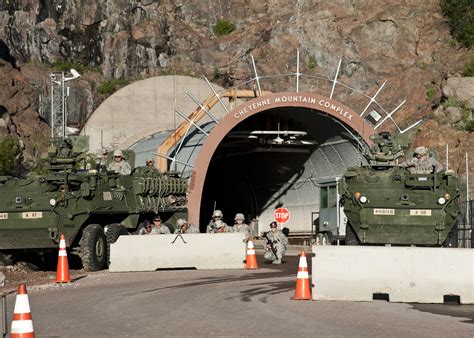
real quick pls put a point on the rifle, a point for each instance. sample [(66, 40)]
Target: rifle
[(270, 243)]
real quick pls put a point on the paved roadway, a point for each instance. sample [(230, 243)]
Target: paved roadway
[(224, 303)]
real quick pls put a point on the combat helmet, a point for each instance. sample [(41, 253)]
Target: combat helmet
[(118, 152), (181, 222), (421, 150), (217, 213), (239, 217)]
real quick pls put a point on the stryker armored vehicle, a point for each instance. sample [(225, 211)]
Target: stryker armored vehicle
[(387, 204), (91, 208)]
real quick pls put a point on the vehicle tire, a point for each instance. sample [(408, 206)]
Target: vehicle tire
[(351, 237), (93, 248), (6, 259), (452, 239), (114, 231)]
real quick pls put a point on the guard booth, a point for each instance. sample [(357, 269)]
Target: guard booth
[(330, 225)]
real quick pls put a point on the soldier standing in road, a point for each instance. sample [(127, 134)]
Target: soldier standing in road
[(185, 228), (119, 165), (422, 163), (158, 227), (240, 226), (276, 244), (217, 225), (146, 230)]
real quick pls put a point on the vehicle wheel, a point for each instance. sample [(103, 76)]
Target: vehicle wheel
[(5, 259), (452, 239), (114, 231), (93, 248), (351, 237)]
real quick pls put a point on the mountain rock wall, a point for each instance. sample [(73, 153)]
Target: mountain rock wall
[(404, 42)]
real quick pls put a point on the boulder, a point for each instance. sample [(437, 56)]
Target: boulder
[(460, 89), (454, 114)]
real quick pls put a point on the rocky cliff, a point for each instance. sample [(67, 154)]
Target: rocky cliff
[(404, 42)]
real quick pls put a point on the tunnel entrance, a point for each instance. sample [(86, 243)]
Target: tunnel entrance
[(276, 158)]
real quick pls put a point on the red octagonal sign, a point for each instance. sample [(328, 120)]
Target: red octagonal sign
[(281, 215)]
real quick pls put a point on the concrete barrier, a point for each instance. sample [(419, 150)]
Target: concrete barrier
[(408, 274), (200, 251)]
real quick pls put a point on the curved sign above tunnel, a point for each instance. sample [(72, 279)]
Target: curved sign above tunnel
[(323, 104), (318, 103)]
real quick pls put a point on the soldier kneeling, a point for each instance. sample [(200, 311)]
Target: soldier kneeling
[(276, 244)]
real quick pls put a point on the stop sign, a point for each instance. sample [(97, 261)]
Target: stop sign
[(281, 215)]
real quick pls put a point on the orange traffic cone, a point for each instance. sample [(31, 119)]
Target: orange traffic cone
[(22, 325), (62, 273), (251, 261), (302, 291)]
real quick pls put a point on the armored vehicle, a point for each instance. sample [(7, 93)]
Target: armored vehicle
[(385, 203), (90, 207)]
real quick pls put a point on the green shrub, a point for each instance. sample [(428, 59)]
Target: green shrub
[(111, 86), (223, 27), (460, 14), (469, 67), (64, 65), (430, 93), (311, 61), (9, 150)]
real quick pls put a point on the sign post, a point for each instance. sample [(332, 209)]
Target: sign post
[(281, 215)]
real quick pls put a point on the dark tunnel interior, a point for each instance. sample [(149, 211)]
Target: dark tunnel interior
[(259, 156)]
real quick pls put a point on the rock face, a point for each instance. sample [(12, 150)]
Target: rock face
[(461, 89), (404, 43)]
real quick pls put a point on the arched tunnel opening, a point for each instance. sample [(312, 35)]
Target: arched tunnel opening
[(276, 158)]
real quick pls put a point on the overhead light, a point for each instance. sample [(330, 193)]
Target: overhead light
[(278, 140), (75, 75), (373, 117)]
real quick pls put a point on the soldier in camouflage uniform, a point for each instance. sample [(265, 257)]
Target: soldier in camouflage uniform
[(240, 226), (185, 228), (146, 230), (217, 225), (422, 163), (159, 228), (119, 165), (279, 242)]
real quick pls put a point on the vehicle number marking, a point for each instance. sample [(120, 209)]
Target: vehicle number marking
[(3, 215), (32, 214), (420, 212), (384, 212)]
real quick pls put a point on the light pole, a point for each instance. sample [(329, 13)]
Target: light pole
[(59, 93)]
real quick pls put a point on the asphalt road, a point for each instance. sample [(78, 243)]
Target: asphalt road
[(224, 303)]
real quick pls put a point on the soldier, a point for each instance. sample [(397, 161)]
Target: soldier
[(146, 230), (422, 163), (185, 228), (240, 226), (217, 225), (119, 165), (158, 227), (149, 162), (276, 244)]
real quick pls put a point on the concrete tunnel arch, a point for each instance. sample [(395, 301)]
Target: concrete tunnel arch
[(306, 100)]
